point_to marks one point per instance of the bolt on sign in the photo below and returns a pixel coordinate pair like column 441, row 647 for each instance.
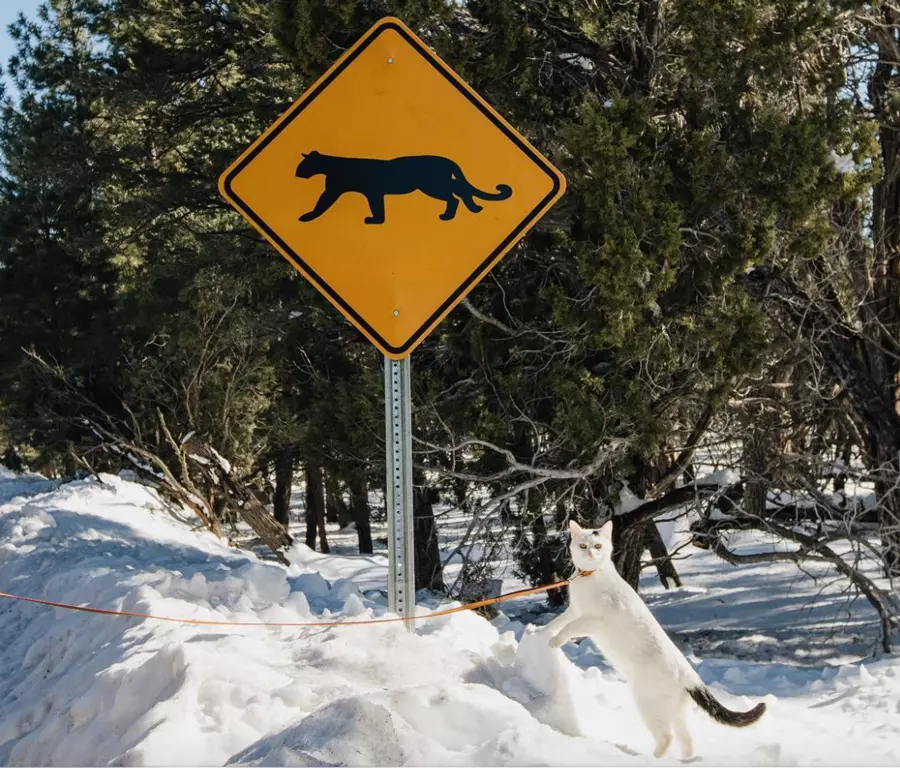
column 392, row 187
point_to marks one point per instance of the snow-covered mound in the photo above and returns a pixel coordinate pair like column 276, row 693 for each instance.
column 81, row 689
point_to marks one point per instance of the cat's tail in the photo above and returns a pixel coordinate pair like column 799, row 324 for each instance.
column 503, row 190
column 717, row 711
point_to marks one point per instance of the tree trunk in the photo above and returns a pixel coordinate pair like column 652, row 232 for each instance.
column 241, row 499
column 460, row 493
column 315, row 506
column 264, row 525
column 885, row 223
column 846, row 455
column 12, row 460
column 664, row 565
column 220, row 511
column 762, row 445
column 558, row 597
column 323, row 535
column 628, row 546
column 630, row 537
column 284, row 477
column 546, row 565
column 888, row 495
column 335, row 509
column 359, row 509
column 429, row 569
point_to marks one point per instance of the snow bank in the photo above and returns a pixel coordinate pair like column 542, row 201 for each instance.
column 79, row 689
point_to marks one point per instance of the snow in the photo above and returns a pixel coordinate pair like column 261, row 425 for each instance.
column 842, row 163
column 81, row 689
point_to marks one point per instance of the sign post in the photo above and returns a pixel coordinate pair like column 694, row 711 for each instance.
column 388, row 156
column 399, row 488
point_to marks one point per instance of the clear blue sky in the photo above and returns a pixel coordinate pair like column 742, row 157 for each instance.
column 9, row 11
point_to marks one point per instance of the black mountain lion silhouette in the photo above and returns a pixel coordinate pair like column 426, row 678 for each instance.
column 437, row 177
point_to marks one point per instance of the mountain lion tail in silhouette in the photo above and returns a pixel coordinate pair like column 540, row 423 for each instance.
column 503, row 190
column 705, row 700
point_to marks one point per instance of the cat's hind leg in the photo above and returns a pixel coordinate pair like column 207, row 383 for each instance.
column 470, row 203
column 678, row 717
column 450, row 211
column 663, row 740
column 684, row 736
column 376, row 203
column 653, row 712
column 328, row 198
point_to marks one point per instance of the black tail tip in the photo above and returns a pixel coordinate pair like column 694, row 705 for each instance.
column 715, row 709
column 758, row 711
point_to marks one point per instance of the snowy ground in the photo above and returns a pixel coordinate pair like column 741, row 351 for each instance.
column 79, row 689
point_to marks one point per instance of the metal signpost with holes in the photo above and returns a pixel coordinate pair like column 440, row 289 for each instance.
column 399, row 499
column 393, row 188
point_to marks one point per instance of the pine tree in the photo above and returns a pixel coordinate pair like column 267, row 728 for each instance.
column 59, row 280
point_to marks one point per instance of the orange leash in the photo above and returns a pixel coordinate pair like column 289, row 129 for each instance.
column 444, row 612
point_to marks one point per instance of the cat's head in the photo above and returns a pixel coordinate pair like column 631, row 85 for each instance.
column 591, row 549
column 310, row 165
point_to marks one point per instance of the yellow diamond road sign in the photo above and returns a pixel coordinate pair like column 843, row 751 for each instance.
column 392, row 186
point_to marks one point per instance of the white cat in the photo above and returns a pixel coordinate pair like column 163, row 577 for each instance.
column 605, row 608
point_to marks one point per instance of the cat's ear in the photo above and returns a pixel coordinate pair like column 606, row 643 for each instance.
column 574, row 528
column 606, row 529
column 304, row 155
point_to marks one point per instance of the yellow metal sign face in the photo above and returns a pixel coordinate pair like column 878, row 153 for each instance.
column 392, row 186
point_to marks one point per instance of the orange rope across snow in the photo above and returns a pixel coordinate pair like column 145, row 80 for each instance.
column 207, row 622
